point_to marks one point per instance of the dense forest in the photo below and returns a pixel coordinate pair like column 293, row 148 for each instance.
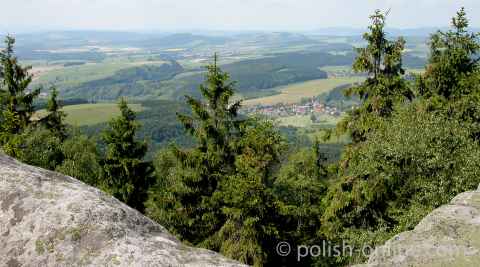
column 240, row 186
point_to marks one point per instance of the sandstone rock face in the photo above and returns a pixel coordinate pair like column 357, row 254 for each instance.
column 47, row 219
column 449, row 236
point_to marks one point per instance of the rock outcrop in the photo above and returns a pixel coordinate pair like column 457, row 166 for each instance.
column 448, row 236
column 48, row 219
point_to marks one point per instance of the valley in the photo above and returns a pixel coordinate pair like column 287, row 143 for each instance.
column 271, row 148
column 102, row 66
column 295, row 79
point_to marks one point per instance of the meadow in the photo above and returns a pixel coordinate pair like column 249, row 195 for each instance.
column 304, row 121
column 91, row 114
column 63, row 76
column 296, row 92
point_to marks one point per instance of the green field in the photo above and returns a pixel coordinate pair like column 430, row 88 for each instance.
column 90, row 114
column 296, row 92
column 76, row 75
column 304, row 121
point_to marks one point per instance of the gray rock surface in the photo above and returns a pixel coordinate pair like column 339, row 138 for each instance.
column 47, row 219
column 448, row 236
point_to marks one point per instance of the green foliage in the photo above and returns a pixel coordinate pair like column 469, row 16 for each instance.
column 452, row 76
column 382, row 61
column 81, row 159
column 412, row 163
column 188, row 209
column 54, row 120
column 35, row 146
column 219, row 194
column 453, row 60
column 407, row 158
column 301, row 184
column 125, row 175
column 16, row 103
column 18, row 136
column 159, row 124
column 249, row 206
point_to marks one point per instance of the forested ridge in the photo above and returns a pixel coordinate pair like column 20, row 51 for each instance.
column 240, row 187
column 254, row 76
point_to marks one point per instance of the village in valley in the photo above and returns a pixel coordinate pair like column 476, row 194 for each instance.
column 310, row 107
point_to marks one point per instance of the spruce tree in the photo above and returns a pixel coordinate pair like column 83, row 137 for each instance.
column 184, row 200
column 381, row 60
column 251, row 227
column 16, row 102
column 125, row 175
column 219, row 194
column 54, row 120
column 383, row 90
column 214, row 121
column 451, row 82
column 453, row 60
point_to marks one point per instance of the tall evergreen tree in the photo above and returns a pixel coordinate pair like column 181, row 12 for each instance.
column 381, row 59
column 451, row 81
column 454, row 58
column 125, row 175
column 251, row 227
column 16, row 102
column 184, row 202
column 214, row 122
column 54, row 120
column 413, row 160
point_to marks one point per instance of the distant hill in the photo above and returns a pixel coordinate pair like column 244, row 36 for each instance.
column 285, row 38
column 54, row 46
column 180, row 40
column 348, row 31
column 132, row 81
column 171, row 81
column 252, row 75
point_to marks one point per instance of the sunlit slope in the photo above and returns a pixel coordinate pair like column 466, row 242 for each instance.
column 90, row 114
column 296, row 92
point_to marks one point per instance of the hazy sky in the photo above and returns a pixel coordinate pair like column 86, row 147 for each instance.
column 303, row 15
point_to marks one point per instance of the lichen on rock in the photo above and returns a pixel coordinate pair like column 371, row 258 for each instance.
column 47, row 219
column 448, row 236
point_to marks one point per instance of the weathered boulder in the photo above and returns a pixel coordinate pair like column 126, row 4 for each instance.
column 48, row 219
column 448, row 236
